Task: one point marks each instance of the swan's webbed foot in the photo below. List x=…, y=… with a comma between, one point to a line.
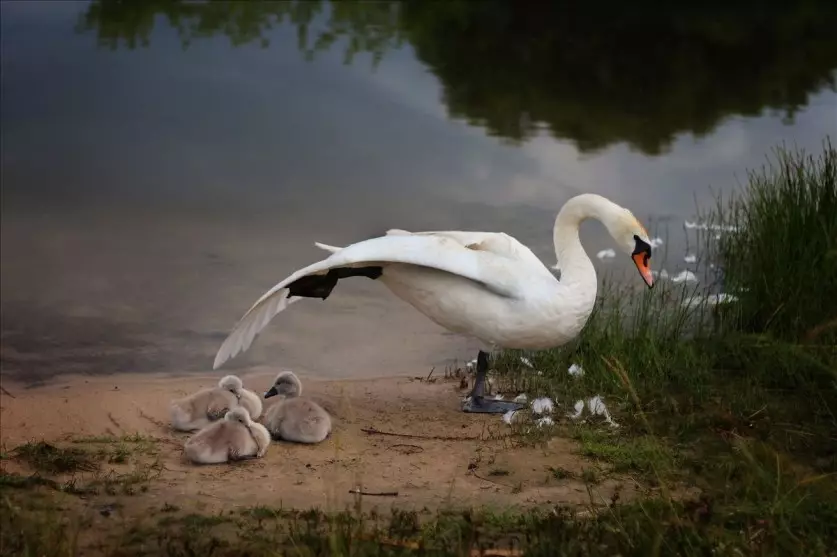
x=477, y=402
x=482, y=405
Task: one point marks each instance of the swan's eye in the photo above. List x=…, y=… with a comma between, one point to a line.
x=642, y=246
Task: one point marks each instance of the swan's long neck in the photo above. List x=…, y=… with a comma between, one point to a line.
x=577, y=270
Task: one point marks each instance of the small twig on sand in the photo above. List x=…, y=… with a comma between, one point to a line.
x=405, y=448
x=114, y=422
x=373, y=431
x=7, y=392
x=483, y=478
x=153, y=420
x=374, y=493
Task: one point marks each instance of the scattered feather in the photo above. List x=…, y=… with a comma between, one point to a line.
x=690, y=258
x=546, y=420
x=704, y=226
x=660, y=274
x=606, y=254
x=684, y=276
x=596, y=406
x=575, y=370
x=579, y=408
x=656, y=242
x=541, y=405
x=526, y=361
x=521, y=398
x=498, y=397
x=711, y=300
x=509, y=416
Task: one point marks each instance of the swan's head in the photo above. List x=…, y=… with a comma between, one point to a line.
x=231, y=383
x=286, y=384
x=632, y=239
x=238, y=414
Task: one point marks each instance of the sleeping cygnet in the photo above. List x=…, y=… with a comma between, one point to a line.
x=200, y=409
x=251, y=401
x=236, y=437
x=293, y=418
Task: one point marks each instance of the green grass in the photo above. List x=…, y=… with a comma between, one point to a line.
x=655, y=526
x=48, y=458
x=782, y=261
x=28, y=531
x=728, y=420
x=645, y=453
x=739, y=400
x=128, y=483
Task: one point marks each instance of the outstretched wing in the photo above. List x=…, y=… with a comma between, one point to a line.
x=492, y=270
x=497, y=243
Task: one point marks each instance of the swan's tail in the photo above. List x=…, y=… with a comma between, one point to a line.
x=398, y=232
x=328, y=248
x=391, y=232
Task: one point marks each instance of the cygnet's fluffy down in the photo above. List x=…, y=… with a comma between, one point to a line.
x=210, y=405
x=251, y=402
x=294, y=418
x=236, y=437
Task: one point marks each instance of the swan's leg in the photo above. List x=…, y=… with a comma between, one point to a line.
x=476, y=401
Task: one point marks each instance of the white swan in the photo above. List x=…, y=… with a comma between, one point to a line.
x=482, y=284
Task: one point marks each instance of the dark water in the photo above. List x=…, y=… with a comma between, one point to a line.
x=164, y=163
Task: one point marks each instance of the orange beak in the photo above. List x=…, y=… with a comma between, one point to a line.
x=641, y=261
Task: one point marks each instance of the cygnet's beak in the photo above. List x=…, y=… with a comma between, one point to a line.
x=641, y=261
x=271, y=392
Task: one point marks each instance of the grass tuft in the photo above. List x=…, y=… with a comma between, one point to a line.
x=48, y=458
x=781, y=262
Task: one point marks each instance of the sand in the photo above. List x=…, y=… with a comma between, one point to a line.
x=449, y=463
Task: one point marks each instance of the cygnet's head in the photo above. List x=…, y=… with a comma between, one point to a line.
x=238, y=414
x=231, y=383
x=633, y=239
x=286, y=384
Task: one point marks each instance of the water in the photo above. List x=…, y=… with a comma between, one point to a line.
x=161, y=169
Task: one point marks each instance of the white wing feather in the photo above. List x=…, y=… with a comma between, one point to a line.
x=495, y=271
x=493, y=242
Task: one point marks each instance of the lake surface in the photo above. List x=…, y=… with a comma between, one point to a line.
x=163, y=164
